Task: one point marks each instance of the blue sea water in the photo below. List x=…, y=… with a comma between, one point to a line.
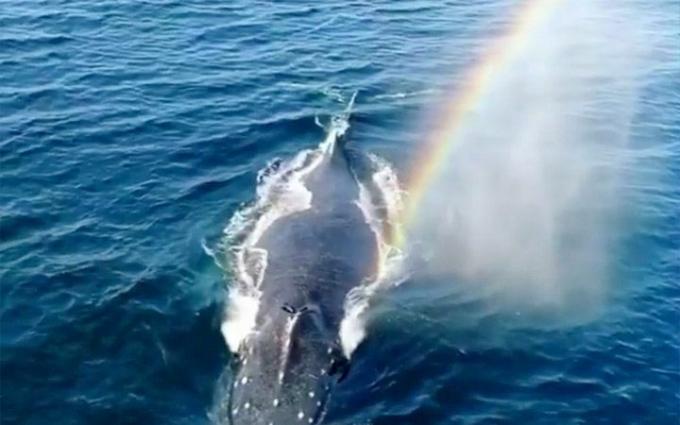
x=131, y=131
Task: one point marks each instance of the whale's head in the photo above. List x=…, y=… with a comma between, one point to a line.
x=285, y=373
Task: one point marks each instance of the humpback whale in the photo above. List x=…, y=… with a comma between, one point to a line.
x=287, y=366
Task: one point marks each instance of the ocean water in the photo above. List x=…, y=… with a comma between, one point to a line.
x=131, y=132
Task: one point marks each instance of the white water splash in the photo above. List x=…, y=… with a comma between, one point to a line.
x=380, y=201
x=529, y=201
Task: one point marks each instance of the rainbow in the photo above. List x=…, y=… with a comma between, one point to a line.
x=453, y=115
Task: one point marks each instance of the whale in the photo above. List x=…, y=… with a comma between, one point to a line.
x=286, y=369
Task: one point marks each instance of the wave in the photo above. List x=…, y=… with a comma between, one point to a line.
x=280, y=192
x=406, y=94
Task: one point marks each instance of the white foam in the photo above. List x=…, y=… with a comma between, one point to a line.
x=239, y=319
x=380, y=201
x=405, y=94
